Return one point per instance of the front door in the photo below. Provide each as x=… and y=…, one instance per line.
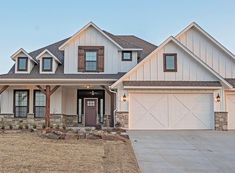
x=90, y=111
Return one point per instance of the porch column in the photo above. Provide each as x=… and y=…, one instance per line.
x=48, y=92
x=112, y=95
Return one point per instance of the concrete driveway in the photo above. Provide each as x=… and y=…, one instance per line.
x=184, y=151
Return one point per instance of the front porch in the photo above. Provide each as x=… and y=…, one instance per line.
x=68, y=106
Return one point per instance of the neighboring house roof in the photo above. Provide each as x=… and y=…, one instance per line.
x=172, y=83
x=171, y=38
x=195, y=25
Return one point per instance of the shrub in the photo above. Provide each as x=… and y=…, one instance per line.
x=3, y=127
x=118, y=124
x=10, y=127
x=34, y=126
x=20, y=127
x=51, y=126
x=57, y=127
x=64, y=127
x=26, y=126
x=43, y=126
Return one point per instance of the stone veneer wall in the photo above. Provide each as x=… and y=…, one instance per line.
x=221, y=121
x=60, y=120
x=123, y=119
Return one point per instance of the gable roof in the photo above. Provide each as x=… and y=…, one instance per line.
x=53, y=48
x=21, y=50
x=131, y=41
x=47, y=51
x=171, y=38
x=83, y=29
x=212, y=39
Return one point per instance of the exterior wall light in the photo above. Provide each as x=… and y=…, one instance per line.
x=218, y=98
x=124, y=98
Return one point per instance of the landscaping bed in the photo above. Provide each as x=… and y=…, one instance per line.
x=98, y=151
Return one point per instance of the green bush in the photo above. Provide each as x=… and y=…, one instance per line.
x=34, y=126
x=26, y=126
x=10, y=127
x=57, y=127
x=20, y=127
x=43, y=126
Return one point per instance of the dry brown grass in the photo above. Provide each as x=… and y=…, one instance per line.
x=26, y=152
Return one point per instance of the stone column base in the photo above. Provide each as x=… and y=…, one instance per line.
x=122, y=119
x=221, y=121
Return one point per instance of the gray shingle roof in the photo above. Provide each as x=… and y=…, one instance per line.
x=58, y=75
x=131, y=41
x=124, y=41
x=231, y=81
x=173, y=83
x=53, y=48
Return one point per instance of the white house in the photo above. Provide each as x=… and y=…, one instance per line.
x=97, y=78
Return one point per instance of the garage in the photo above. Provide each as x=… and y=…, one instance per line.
x=230, y=104
x=171, y=111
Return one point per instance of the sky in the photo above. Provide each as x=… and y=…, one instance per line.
x=32, y=24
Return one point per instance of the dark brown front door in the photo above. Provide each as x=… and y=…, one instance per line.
x=90, y=112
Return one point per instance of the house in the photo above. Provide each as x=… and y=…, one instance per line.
x=97, y=78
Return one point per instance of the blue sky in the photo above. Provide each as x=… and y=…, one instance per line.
x=31, y=24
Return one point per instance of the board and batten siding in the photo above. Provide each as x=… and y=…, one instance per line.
x=188, y=69
x=112, y=55
x=210, y=53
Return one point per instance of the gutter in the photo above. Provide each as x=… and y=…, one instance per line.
x=115, y=110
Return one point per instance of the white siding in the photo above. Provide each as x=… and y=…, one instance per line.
x=188, y=69
x=112, y=55
x=7, y=96
x=210, y=53
x=54, y=64
x=30, y=64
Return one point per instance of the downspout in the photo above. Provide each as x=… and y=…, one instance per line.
x=115, y=110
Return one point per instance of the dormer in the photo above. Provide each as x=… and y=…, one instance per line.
x=48, y=62
x=24, y=63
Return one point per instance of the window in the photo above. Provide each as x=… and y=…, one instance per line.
x=170, y=62
x=91, y=60
x=39, y=104
x=127, y=56
x=21, y=102
x=22, y=64
x=47, y=64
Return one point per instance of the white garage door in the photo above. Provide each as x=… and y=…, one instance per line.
x=171, y=111
x=230, y=103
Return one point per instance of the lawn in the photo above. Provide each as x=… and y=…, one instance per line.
x=27, y=152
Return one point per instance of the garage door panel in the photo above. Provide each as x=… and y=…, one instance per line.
x=149, y=116
x=171, y=111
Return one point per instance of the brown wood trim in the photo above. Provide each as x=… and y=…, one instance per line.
x=82, y=61
x=28, y=96
x=51, y=62
x=18, y=65
x=123, y=55
x=41, y=89
x=54, y=89
x=4, y=88
x=164, y=62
